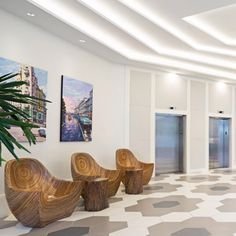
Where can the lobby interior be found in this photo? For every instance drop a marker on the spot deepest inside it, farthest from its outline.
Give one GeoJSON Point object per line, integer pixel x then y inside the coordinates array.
{"type": "Point", "coordinates": [163, 79]}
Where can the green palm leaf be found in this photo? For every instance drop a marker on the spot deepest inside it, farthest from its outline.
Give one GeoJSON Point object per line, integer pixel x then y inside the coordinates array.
{"type": "Point", "coordinates": [11, 115]}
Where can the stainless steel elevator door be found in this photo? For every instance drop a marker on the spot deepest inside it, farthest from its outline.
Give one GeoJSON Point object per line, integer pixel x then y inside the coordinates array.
{"type": "Point", "coordinates": [169, 144]}
{"type": "Point", "coordinates": [219, 143]}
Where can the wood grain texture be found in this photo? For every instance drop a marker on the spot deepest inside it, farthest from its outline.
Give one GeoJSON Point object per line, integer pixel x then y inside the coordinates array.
{"type": "Point", "coordinates": [126, 160]}
{"type": "Point", "coordinates": [84, 167]}
{"type": "Point", "coordinates": [134, 181]}
{"type": "Point", "coordinates": [95, 194]}
{"type": "Point", "coordinates": [35, 197]}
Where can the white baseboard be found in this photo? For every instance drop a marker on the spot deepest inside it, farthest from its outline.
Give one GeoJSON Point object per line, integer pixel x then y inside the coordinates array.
{"type": "Point", "coordinates": [4, 209]}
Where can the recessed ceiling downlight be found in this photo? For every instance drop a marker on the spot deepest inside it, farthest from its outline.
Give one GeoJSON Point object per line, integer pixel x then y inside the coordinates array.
{"type": "Point", "coordinates": [82, 41]}
{"type": "Point", "coordinates": [30, 14]}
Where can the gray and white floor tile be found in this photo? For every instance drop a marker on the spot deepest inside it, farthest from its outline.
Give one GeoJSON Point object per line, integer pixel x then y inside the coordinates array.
{"type": "Point", "coordinates": [171, 205]}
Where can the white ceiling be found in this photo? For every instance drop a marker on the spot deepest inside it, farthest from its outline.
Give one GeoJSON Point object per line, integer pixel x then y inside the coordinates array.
{"type": "Point", "coordinates": [195, 37]}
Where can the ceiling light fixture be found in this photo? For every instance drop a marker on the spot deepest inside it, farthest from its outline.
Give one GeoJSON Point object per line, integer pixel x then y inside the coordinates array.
{"type": "Point", "coordinates": [82, 41]}
{"type": "Point", "coordinates": [172, 77]}
{"type": "Point", "coordinates": [221, 86]}
{"type": "Point", "coordinates": [30, 14]}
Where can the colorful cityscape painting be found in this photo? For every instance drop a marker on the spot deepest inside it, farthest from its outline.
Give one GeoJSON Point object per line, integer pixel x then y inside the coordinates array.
{"type": "Point", "coordinates": [36, 86]}
{"type": "Point", "coordinates": [76, 110]}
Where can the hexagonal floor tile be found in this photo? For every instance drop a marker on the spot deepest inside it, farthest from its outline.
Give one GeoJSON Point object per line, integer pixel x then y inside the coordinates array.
{"type": "Point", "coordinates": [197, 226]}
{"type": "Point", "coordinates": [215, 189]}
{"type": "Point", "coordinates": [198, 178]}
{"type": "Point", "coordinates": [165, 205]}
{"type": "Point", "coordinates": [220, 188]}
{"type": "Point", "coordinates": [192, 232]}
{"type": "Point", "coordinates": [160, 188]}
{"type": "Point", "coordinates": [72, 231]}
{"type": "Point", "coordinates": [229, 205]}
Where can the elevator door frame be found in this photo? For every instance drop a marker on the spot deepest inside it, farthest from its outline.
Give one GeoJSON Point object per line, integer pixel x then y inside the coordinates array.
{"type": "Point", "coordinates": [184, 142]}
{"type": "Point", "coordinates": [229, 142]}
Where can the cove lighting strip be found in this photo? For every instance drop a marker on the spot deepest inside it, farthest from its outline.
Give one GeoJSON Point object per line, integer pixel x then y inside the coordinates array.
{"type": "Point", "coordinates": [159, 21]}
{"type": "Point", "coordinates": [61, 11]}
{"type": "Point", "coordinates": [115, 17]}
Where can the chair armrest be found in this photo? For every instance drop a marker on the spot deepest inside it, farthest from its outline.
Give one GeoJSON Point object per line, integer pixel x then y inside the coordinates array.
{"type": "Point", "coordinates": [64, 187]}
{"type": "Point", "coordinates": [112, 175]}
{"type": "Point", "coordinates": [146, 165]}
{"type": "Point", "coordinates": [123, 168]}
{"type": "Point", "coordinates": [86, 177]}
{"type": "Point", "coordinates": [109, 171]}
{"type": "Point", "coordinates": [147, 172]}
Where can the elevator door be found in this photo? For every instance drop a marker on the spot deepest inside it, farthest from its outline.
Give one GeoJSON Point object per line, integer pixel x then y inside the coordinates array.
{"type": "Point", "coordinates": [169, 144]}
{"type": "Point", "coordinates": [219, 143]}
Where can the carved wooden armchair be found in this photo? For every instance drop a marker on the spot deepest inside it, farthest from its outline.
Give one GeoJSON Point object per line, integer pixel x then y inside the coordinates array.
{"type": "Point", "coordinates": [84, 167]}
{"type": "Point", "coordinates": [35, 197]}
{"type": "Point", "coordinates": [125, 160]}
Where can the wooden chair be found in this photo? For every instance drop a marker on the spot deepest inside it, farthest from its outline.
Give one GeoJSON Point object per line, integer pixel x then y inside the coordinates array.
{"type": "Point", "coordinates": [84, 167]}
{"type": "Point", "coordinates": [35, 197]}
{"type": "Point", "coordinates": [126, 160]}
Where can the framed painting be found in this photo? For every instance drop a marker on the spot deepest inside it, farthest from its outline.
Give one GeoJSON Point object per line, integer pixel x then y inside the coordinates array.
{"type": "Point", "coordinates": [36, 86]}
{"type": "Point", "coordinates": [76, 110]}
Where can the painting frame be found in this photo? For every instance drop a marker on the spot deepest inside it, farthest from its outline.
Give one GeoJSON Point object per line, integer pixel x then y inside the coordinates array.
{"type": "Point", "coordinates": [76, 110]}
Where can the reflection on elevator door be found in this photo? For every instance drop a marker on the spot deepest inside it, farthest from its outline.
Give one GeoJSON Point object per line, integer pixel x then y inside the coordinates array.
{"type": "Point", "coordinates": [169, 144]}
{"type": "Point", "coordinates": [219, 143]}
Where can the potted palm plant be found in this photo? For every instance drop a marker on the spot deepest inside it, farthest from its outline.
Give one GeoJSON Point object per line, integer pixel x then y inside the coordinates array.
{"type": "Point", "coordinates": [11, 115]}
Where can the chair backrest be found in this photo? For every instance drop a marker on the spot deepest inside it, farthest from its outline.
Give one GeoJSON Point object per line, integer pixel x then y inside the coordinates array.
{"type": "Point", "coordinates": [26, 174]}
{"type": "Point", "coordinates": [84, 164]}
{"type": "Point", "coordinates": [125, 158]}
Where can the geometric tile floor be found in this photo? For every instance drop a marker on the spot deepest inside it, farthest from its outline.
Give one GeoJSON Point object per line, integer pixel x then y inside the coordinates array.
{"type": "Point", "coordinates": [171, 205]}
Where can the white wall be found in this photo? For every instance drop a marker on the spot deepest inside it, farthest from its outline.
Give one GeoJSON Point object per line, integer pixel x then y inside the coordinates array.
{"type": "Point", "coordinates": [26, 43]}
{"type": "Point", "coordinates": [198, 140]}
{"type": "Point", "coordinates": [220, 98]}
{"type": "Point", "coordinates": [171, 91]}
{"type": "Point", "coordinates": [140, 108]}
